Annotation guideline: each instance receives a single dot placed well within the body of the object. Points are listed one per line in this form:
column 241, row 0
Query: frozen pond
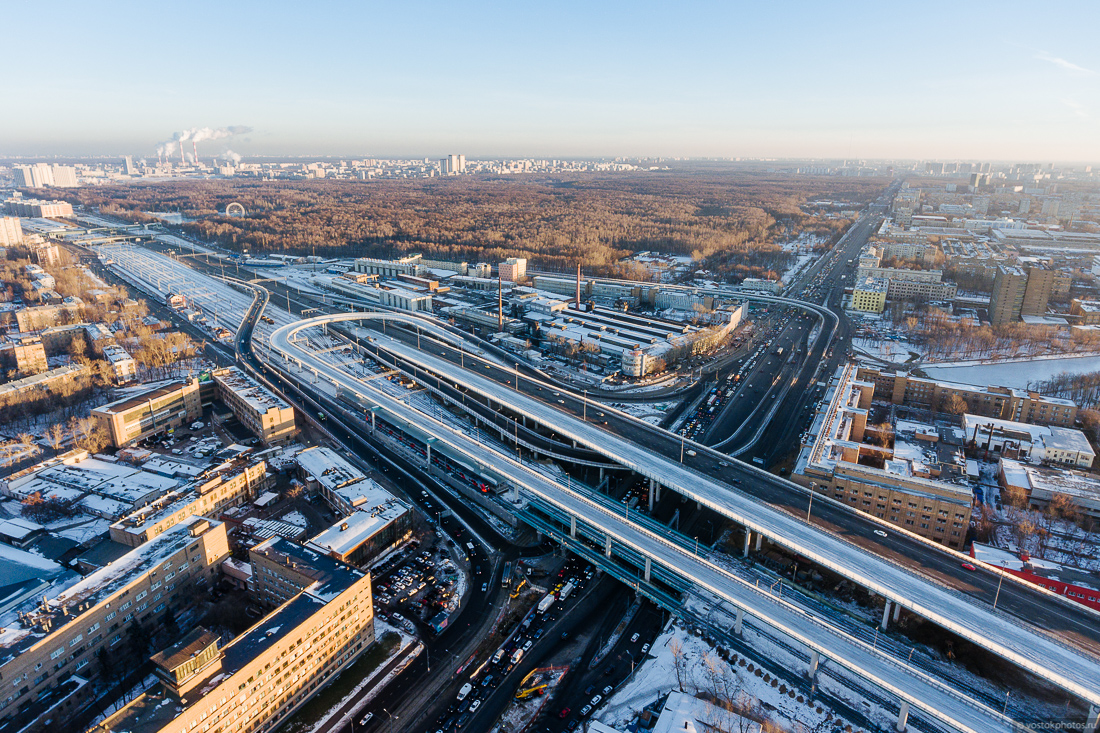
column 1014, row 374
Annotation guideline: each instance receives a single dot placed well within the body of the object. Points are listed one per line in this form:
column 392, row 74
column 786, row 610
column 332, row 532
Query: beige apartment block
column 1001, row 402
column 229, row 485
column 322, row 622
column 919, row 496
column 49, row 653
column 268, row 416
column 137, row 417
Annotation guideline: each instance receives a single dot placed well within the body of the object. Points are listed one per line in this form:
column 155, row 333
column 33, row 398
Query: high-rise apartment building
column 11, row 233
column 513, row 269
column 128, row 165
column 1006, row 303
column 43, row 174
column 38, row 175
column 1041, row 284
column 452, row 165
column 64, row 176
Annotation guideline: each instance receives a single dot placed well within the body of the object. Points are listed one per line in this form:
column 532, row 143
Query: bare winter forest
column 732, row 221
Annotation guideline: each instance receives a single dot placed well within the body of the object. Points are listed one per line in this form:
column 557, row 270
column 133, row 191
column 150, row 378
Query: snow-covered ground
column 296, row 518
column 898, row 352
column 701, row 669
column 380, row 630
column 651, row 412
column 305, row 281
column 1015, row 374
column 1061, row 542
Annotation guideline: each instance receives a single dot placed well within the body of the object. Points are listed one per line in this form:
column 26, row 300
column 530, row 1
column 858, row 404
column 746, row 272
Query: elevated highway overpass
column 1068, row 668
column 663, row 567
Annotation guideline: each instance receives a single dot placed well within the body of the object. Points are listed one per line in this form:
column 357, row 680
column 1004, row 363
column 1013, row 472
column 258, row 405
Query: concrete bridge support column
column 601, row 474
column 648, row 569
column 573, row 527
column 886, row 615
column 897, row 612
column 739, row 622
column 657, row 493
column 903, row 717
column 815, row 659
column 652, row 494
column 759, row 541
column 1093, row 721
column 745, row 548
column 428, row 454
column 372, row 422
column 607, row 547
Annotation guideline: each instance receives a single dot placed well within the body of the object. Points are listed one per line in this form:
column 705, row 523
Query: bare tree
column 55, row 437
column 679, row 662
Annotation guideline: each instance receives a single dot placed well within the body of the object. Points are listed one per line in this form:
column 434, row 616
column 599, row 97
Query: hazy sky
column 1001, row 80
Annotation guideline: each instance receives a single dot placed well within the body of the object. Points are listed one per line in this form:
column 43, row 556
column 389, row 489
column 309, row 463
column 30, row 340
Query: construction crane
column 536, row 691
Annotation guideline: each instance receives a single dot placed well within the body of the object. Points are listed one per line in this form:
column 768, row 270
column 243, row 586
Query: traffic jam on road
column 487, row 676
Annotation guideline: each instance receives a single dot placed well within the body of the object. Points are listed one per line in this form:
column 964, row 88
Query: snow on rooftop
column 258, row 398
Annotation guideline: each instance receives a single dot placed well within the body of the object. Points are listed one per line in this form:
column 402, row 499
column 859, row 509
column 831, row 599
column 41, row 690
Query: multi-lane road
column 1053, row 614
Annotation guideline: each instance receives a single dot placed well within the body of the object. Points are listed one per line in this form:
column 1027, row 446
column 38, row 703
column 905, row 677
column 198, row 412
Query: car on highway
column 968, row 566
column 564, row 713
column 645, row 649
column 880, row 533
column 366, row 719
column 585, row 710
column 595, row 701
column 635, row 637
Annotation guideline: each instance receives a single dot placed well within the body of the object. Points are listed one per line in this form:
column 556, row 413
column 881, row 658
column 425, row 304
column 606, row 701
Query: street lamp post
column 999, row 581
column 681, row 447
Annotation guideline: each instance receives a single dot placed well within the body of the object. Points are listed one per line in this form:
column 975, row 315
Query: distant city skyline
column 967, row 81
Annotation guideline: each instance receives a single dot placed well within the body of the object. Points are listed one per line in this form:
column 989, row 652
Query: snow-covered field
column 898, row 352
